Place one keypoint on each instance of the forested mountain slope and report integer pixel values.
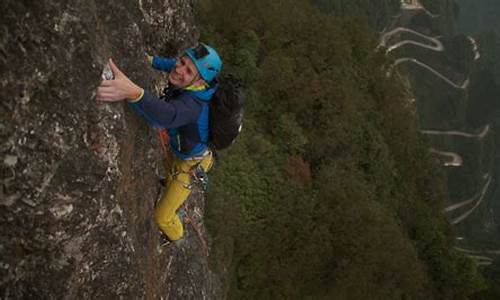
(330, 192)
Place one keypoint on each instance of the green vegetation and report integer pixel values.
(377, 12)
(492, 293)
(329, 191)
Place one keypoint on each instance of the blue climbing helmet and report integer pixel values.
(206, 60)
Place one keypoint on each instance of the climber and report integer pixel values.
(184, 112)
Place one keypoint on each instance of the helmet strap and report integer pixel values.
(193, 84)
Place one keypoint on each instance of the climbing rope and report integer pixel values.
(164, 141)
(197, 228)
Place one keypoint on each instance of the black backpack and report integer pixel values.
(226, 112)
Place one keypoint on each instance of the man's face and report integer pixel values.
(184, 73)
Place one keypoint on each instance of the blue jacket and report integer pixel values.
(186, 115)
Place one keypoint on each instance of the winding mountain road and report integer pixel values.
(462, 86)
(475, 48)
(434, 44)
(416, 5)
(460, 204)
(465, 202)
(467, 213)
(483, 252)
(456, 160)
(480, 256)
(438, 46)
(480, 135)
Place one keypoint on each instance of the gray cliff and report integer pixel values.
(78, 178)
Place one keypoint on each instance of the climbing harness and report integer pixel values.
(200, 177)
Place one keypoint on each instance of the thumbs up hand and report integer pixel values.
(118, 89)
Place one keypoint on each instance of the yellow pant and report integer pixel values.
(178, 189)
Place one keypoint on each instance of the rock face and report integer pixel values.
(78, 178)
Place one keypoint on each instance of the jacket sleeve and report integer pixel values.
(163, 63)
(162, 114)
